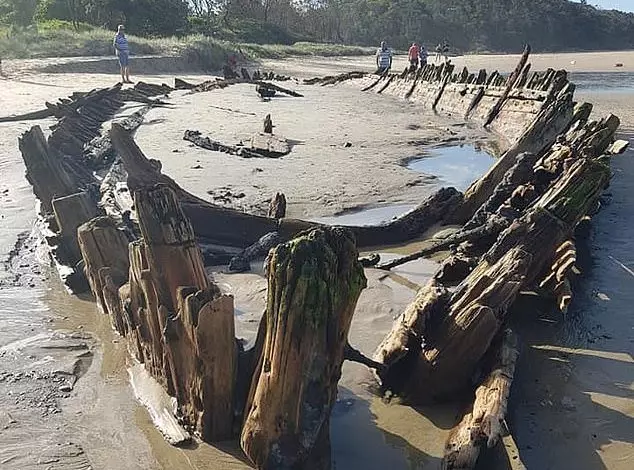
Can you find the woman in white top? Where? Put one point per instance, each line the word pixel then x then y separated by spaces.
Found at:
pixel 383 58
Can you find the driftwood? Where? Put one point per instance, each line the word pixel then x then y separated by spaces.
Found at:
pixel 71 212
pixel 100 151
pixel 265 146
pixel 519 174
pixel 542 133
pixel 260 249
pixel 51 175
pixel 104 248
pixel 484 424
pixel 333 80
pixel 218 83
pixel 314 284
pixel 489 230
pixel 495 110
pixel 556 281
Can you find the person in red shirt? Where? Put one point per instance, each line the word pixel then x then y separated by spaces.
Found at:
pixel 414 51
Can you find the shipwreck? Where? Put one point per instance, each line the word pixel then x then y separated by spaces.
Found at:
pixel 132 236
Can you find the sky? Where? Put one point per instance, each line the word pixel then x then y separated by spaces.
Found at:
pixel 623 5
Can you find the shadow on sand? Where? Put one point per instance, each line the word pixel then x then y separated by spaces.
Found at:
pixel 572 400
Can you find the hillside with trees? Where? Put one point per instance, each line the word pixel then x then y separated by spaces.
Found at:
pixel 468 25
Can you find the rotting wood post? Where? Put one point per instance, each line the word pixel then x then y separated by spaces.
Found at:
pixel 184 325
pixel 277 207
pixel 104 248
pixel 71 212
pixel 43 169
pixel 314 283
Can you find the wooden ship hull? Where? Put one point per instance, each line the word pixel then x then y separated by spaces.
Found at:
pixel 138 242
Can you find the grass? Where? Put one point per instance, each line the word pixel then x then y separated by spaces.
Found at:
pixel 60 39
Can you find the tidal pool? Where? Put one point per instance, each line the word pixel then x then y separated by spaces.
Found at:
pixel 456 166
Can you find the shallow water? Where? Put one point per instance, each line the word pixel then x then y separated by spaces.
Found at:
pixel 596 82
pixel 456 166
pixel 362 217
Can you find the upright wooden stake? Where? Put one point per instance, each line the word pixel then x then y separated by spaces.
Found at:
pixel 314 283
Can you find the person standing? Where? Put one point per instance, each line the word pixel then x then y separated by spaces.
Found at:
pixel 422 56
pixel 122 50
pixel 383 58
pixel 412 55
pixel 438 57
pixel 445 50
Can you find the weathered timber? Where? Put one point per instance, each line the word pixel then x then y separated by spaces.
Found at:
pixel 409 226
pixel 269 145
pixel 495 110
pixel 455 268
pixel 478 307
pixel 242 262
pixel 353 355
pixel 100 151
pixel 484 424
pixel 217 84
pixel 268 124
pixel 70 212
pixel 520 173
pixel 314 283
pixel 181 84
pixel 487 231
pixel 262 145
pixel 551 121
pixel 556 281
pixel 333 80
pixel 51 175
pixel 404 342
pixel 277 206
pixel 183 326
pixel 34 115
pixel 277 88
pixel 104 248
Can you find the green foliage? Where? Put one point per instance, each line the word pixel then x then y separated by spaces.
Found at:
pixel 483 25
pixel 18 12
pixel 60 38
pixel 495 25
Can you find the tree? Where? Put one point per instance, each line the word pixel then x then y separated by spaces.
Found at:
pixel 18 12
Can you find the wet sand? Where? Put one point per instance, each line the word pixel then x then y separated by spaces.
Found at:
pixel 572 403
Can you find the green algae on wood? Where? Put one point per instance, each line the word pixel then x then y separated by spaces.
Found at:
pixel 314 283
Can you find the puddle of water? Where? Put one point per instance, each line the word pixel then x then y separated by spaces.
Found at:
pixel 372 216
pixel 457 166
pixel 611 82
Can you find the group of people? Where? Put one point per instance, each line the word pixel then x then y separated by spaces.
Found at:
pixel 417 56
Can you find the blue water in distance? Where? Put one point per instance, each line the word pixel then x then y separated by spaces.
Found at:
pixel 603 82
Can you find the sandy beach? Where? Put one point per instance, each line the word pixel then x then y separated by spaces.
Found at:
pixel 573 398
